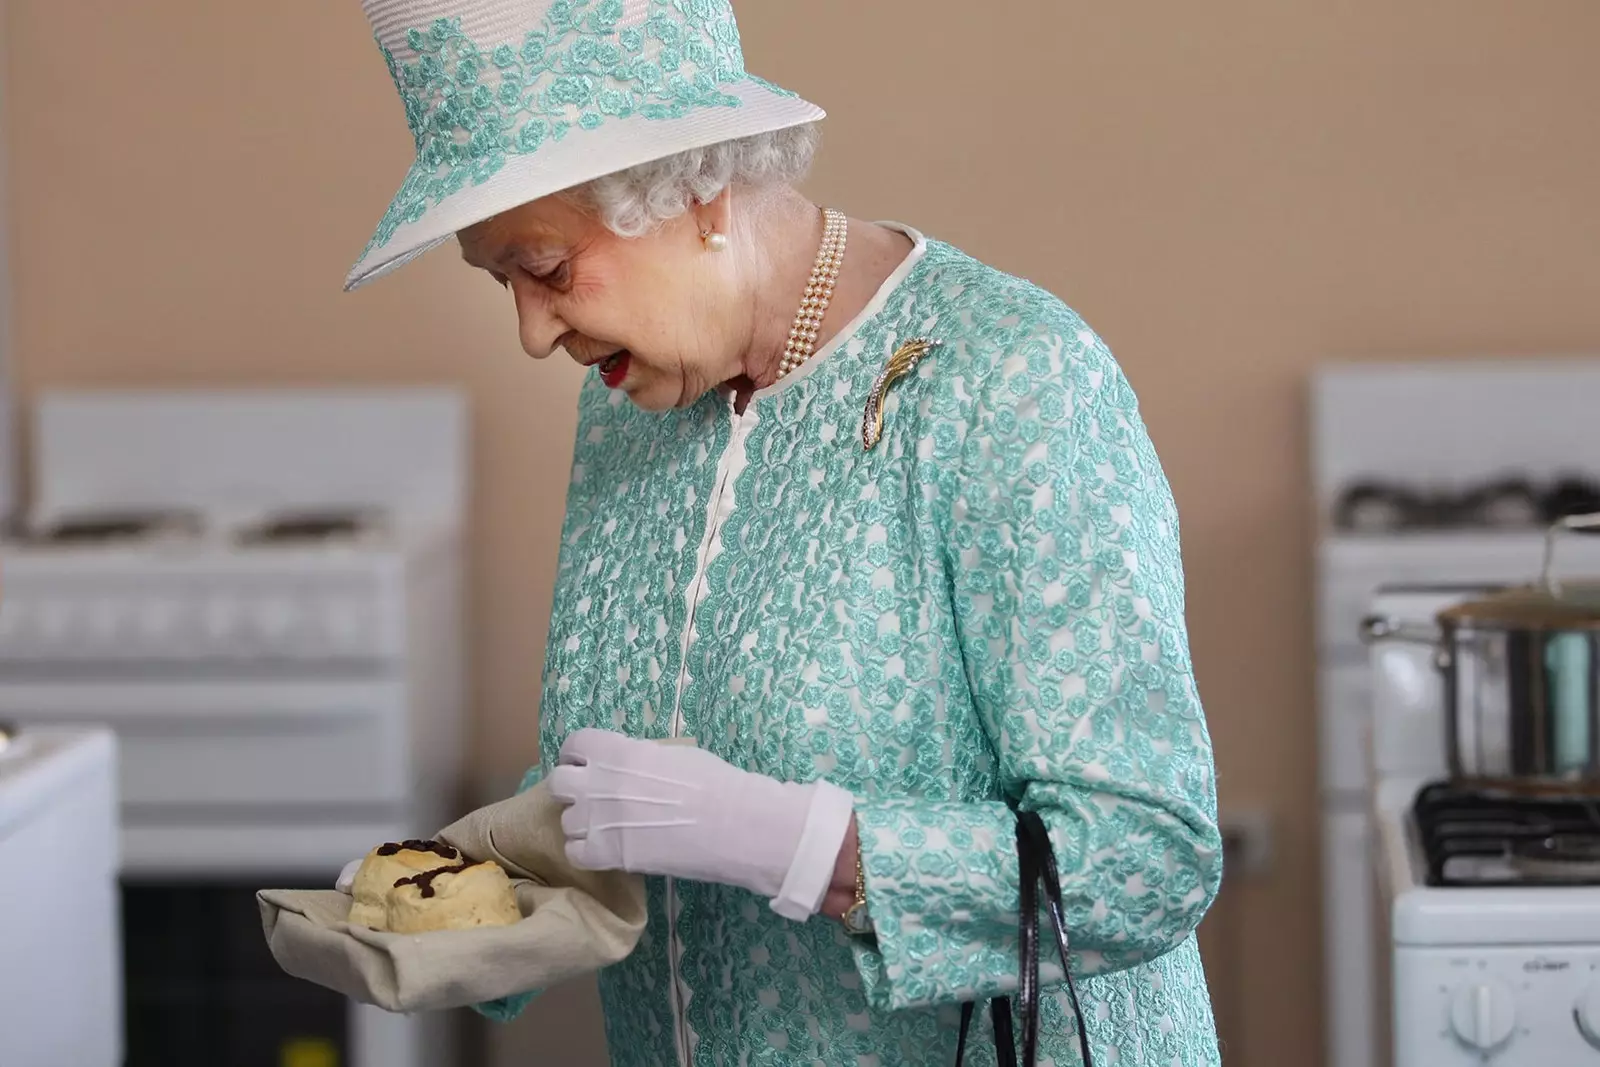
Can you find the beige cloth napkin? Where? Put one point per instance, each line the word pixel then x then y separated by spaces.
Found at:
pixel 574 923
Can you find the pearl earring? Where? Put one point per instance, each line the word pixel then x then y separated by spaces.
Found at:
pixel 714 241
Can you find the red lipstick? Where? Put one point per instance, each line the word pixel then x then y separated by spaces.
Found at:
pixel 614 369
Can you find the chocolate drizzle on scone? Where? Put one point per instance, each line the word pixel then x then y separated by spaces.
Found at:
pixel 442 851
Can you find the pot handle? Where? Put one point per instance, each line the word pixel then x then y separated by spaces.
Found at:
pixel 1588 523
pixel 1376 628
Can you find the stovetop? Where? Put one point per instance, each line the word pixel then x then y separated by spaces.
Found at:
pixel 1425 913
pixel 1490 838
pixel 1509 503
pixel 125 528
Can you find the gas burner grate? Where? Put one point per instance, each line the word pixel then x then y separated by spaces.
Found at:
pixel 1505 503
pixel 308 528
pixel 116 527
pixel 1478 837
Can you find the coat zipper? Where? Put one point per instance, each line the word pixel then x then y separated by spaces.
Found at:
pixel 716 515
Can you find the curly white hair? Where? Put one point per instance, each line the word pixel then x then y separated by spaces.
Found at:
pixel 634 202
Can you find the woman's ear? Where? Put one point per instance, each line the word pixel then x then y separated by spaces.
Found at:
pixel 714 218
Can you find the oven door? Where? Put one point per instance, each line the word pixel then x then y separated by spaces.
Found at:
pixel 242 776
pixel 203 989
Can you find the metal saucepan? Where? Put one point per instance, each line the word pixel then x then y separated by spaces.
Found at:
pixel 1521 674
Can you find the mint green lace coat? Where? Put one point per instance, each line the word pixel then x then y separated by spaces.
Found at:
pixel 985 610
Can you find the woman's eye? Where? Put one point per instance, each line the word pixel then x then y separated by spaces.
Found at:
pixel 556 277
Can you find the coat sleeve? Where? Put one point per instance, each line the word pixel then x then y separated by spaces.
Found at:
pixel 1067 585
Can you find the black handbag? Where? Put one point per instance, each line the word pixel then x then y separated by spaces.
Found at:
pixel 1036 861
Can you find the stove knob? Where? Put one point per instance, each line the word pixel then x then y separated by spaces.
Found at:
pixel 157 619
pixel 344 624
pixel 1483 1015
pixel 276 618
pixel 221 619
pixel 104 619
pixel 1586 1013
pixel 11 620
pixel 55 620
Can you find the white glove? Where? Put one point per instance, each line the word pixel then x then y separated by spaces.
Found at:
pixel 678 811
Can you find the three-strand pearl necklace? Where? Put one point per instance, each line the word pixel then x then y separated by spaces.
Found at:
pixel 819 293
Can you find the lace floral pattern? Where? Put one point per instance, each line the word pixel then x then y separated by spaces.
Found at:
pixel 472 104
pixel 984 610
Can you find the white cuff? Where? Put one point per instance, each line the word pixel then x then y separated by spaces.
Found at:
pixel 811 873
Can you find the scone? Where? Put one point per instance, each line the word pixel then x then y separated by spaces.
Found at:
pixel 386 865
pixel 453 898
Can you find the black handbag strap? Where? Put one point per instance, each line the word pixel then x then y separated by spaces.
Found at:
pixel 1004 1038
pixel 1028 944
pixel 1036 863
pixel 961 1039
pixel 1032 827
pixel 1004 1042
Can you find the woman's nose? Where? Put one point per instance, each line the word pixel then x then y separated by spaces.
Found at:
pixel 538 326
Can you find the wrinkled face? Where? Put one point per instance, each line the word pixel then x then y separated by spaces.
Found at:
pixel 658 314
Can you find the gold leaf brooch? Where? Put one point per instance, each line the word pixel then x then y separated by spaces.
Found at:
pixel 902 363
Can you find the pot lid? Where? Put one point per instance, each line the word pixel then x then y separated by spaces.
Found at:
pixel 1575 606
pixel 1551 604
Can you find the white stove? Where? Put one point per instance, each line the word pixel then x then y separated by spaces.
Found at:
pixel 1503 975
pixel 260 592
pixel 1436 472
pixel 273 531
pixel 1489 962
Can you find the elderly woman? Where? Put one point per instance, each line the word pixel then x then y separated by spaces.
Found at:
pixel 878 527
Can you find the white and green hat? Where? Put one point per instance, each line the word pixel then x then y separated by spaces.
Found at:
pixel 512 100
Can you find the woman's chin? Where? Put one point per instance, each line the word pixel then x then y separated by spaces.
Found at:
pixel 659 392
pixel 650 396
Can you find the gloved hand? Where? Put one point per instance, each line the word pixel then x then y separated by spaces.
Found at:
pixel 347 877
pixel 678 811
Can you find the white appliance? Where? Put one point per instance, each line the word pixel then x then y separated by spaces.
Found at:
pixel 260 592
pixel 60 971
pixel 1436 427
pixel 1499 967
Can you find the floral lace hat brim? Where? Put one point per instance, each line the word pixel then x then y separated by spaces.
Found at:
pixel 500 125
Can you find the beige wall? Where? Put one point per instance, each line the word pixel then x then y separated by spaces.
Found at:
pixel 1230 192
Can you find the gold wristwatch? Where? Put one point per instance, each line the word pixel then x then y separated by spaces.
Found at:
pixel 857 920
